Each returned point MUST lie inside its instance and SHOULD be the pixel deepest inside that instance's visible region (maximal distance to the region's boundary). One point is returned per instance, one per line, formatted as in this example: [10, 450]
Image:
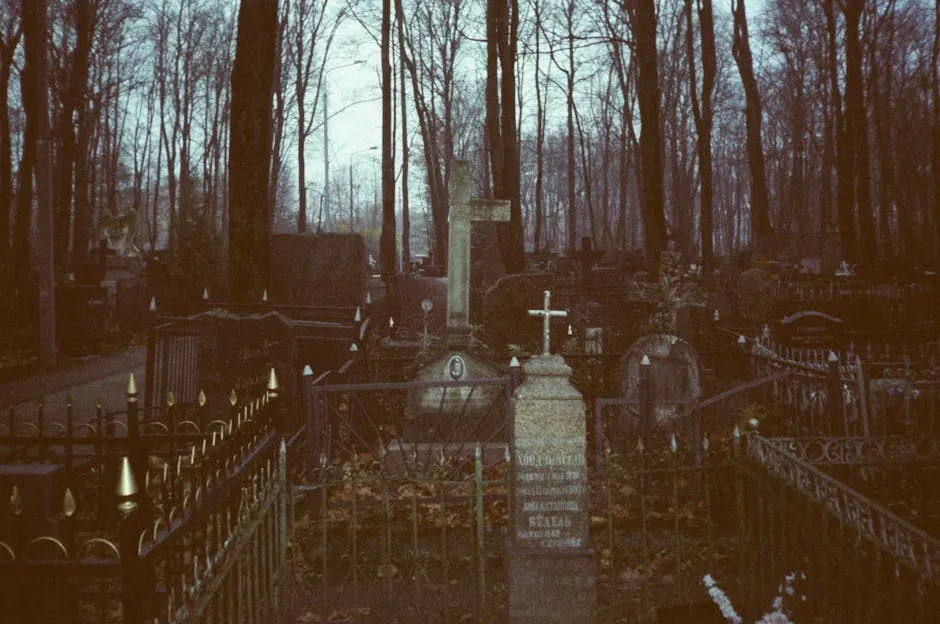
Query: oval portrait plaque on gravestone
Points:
[456, 367]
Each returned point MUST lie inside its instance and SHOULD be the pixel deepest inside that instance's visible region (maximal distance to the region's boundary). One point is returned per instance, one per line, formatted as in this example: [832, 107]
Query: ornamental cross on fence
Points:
[547, 313]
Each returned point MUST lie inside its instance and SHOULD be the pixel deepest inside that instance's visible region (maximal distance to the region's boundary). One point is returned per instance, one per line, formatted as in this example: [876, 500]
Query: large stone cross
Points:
[464, 211]
[547, 313]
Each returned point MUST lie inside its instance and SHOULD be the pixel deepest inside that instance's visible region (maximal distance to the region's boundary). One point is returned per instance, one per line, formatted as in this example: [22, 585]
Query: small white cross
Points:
[546, 313]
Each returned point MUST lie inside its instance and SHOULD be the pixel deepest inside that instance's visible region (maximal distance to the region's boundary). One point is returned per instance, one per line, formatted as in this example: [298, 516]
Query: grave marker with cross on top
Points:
[463, 212]
[547, 313]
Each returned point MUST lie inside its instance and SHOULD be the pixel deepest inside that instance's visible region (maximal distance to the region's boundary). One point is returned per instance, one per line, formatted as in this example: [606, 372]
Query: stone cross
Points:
[464, 211]
[547, 313]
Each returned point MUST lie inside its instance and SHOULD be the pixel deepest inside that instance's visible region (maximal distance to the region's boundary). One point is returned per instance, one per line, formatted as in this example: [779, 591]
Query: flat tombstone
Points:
[676, 373]
[551, 565]
[464, 413]
[237, 352]
[810, 329]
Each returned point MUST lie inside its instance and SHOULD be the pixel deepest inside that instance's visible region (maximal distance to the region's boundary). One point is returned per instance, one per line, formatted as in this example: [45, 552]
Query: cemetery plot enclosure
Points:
[136, 519]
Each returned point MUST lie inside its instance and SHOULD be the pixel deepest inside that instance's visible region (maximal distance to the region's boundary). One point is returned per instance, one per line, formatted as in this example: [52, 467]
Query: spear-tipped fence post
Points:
[515, 375]
[136, 450]
[646, 399]
[834, 402]
[131, 577]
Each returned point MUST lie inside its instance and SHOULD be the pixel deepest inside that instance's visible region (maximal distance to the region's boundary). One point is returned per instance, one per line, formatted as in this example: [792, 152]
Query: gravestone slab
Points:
[811, 329]
[505, 320]
[550, 562]
[412, 291]
[462, 413]
[317, 269]
[676, 371]
[756, 291]
[236, 352]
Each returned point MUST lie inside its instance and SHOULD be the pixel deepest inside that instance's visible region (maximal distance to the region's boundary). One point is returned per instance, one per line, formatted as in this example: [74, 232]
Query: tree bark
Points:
[703, 120]
[387, 248]
[36, 104]
[857, 129]
[760, 200]
[8, 44]
[651, 162]
[250, 151]
[502, 20]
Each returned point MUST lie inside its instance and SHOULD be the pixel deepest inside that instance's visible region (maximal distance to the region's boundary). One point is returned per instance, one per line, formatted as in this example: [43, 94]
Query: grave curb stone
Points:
[550, 563]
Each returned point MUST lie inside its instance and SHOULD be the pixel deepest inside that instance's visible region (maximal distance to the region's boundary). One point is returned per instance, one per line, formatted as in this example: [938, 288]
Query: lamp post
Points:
[326, 133]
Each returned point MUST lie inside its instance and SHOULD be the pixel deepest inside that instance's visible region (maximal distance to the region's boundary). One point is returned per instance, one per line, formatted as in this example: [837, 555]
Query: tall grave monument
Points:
[432, 414]
[551, 565]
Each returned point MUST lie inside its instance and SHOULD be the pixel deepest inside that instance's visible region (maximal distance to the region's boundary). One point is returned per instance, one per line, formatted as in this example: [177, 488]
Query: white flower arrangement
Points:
[779, 615]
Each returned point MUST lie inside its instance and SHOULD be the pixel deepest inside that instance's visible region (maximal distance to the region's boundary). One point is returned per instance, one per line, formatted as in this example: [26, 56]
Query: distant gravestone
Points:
[810, 266]
[757, 289]
[237, 352]
[317, 269]
[504, 311]
[413, 290]
[550, 562]
[810, 329]
[676, 373]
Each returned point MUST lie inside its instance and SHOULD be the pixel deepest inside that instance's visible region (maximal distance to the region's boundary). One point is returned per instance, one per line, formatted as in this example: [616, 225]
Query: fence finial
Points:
[645, 360]
[127, 485]
[832, 357]
[205, 294]
[16, 503]
[201, 399]
[272, 381]
[264, 296]
[68, 503]
[358, 316]
[153, 304]
[170, 399]
[233, 398]
[514, 362]
[131, 386]
[308, 372]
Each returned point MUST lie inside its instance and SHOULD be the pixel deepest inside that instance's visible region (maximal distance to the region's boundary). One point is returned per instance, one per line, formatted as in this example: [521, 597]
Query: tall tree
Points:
[651, 163]
[36, 103]
[10, 32]
[857, 128]
[250, 151]
[760, 197]
[387, 256]
[703, 114]
[502, 28]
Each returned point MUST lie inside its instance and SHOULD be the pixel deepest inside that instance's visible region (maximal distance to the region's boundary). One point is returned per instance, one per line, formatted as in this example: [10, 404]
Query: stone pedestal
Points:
[551, 565]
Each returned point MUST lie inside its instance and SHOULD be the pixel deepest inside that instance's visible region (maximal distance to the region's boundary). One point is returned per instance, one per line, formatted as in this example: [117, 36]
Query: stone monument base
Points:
[548, 587]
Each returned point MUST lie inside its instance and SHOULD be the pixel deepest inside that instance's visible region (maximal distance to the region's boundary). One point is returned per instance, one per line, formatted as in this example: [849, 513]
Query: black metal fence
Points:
[137, 519]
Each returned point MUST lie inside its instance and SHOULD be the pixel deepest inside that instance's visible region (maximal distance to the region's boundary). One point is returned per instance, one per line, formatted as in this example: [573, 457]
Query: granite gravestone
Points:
[317, 269]
[676, 373]
[236, 352]
[810, 329]
[455, 412]
[550, 562]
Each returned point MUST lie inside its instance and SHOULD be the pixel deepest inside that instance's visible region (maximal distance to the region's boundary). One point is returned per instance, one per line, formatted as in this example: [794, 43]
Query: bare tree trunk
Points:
[8, 42]
[502, 25]
[651, 164]
[539, 134]
[702, 114]
[278, 123]
[760, 200]
[405, 150]
[935, 79]
[857, 129]
[250, 151]
[387, 248]
[36, 105]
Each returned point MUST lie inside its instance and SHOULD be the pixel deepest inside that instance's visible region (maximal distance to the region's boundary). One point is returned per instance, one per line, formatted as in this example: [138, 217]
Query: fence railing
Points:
[176, 520]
